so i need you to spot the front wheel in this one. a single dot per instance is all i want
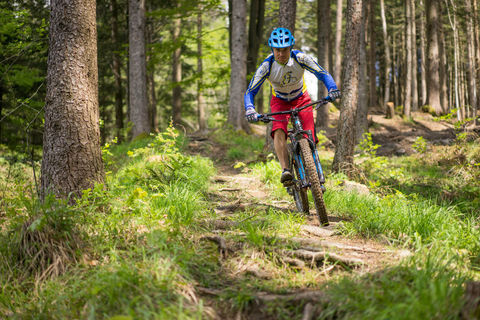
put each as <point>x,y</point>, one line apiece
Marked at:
<point>299,194</point>
<point>315,185</point>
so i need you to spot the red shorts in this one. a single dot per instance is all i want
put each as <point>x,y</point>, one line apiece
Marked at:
<point>306,115</point>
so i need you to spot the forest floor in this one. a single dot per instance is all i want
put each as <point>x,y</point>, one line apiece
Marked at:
<point>237,195</point>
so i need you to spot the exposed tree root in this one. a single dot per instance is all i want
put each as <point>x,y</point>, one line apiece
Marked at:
<point>317,231</point>
<point>221,224</point>
<point>220,241</point>
<point>297,263</point>
<point>308,311</point>
<point>313,243</point>
<point>305,296</point>
<point>315,257</point>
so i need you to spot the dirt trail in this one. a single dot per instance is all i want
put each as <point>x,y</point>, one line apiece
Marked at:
<point>235,194</point>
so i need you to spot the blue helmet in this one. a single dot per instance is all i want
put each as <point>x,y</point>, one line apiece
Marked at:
<point>281,38</point>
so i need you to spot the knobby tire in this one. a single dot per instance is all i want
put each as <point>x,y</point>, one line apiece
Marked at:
<point>300,195</point>
<point>312,177</point>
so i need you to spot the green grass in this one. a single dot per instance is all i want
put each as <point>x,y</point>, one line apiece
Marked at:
<point>240,146</point>
<point>130,261</point>
<point>424,287</point>
<point>140,256</point>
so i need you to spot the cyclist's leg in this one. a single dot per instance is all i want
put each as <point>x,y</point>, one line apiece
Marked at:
<point>280,144</point>
<point>279,135</point>
<point>306,116</point>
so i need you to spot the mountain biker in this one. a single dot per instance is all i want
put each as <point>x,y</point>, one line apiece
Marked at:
<point>284,69</point>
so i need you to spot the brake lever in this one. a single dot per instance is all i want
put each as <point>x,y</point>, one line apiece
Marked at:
<point>325,101</point>
<point>266,119</point>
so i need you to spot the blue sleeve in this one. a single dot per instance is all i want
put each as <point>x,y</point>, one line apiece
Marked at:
<point>258,79</point>
<point>307,62</point>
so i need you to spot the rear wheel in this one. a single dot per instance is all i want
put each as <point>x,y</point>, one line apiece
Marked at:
<point>315,185</point>
<point>299,194</point>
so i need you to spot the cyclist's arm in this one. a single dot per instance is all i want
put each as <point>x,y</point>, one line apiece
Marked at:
<point>311,65</point>
<point>258,79</point>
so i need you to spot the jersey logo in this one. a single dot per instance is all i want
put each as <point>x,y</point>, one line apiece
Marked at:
<point>288,78</point>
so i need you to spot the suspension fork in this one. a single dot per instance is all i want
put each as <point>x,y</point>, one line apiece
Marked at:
<point>298,159</point>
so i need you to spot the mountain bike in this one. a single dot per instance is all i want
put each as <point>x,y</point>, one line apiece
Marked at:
<point>304,163</point>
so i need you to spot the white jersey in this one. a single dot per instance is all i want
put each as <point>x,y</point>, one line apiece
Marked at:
<point>287,80</point>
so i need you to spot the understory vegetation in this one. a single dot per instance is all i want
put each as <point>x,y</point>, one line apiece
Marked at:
<point>142,245</point>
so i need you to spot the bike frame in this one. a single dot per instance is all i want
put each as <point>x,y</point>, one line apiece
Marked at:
<point>297,133</point>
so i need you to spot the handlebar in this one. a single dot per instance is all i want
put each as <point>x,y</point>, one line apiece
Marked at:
<point>267,117</point>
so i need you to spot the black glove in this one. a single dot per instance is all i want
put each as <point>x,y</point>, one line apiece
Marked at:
<point>333,95</point>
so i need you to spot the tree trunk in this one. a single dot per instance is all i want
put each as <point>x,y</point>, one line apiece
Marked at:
<point>386,43</point>
<point>323,49</point>
<point>72,160</point>
<point>443,62</point>
<point>423,65</point>
<point>433,62</point>
<point>177,73</point>
<point>407,99</point>
<point>372,72</point>
<point>202,121</point>
<point>1,110</point>
<point>259,98</point>
<point>343,159</point>
<point>453,24</point>
<point>471,63</point>
<point>238,78</point>
<point>287,14</point>
<point>137,68</point>
<point>116,62</point>
<point>152,101</point>
<point>152,98</point>
<point>414,57</point>
<point>362,108</point>
<point>477,54</point>
<point>230,5</point>
<point>338,43</point>
<point>255,34</point>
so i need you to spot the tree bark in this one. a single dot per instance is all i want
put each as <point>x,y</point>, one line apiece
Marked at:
<point>423,65</point>
<point>477,54</point>
<point>72,159</point>
<point>177,73</point>
<point>338,43</point>
<point>1,109</point>
<point>202,121</point>
<point>443,62</point>
<point>471,63</point>
<point>453,24</point>
<point>152,97</point>
<point>407,99</point>
<point>433,62</point>
<point>137,68</point>
<point>388,63</point>
<point>287,14</point>
<point>372,72</point>
<point>255,34</point>
<point>238,66</point>
<point>323,49</point>
<point>343,159</point>
<point>116,64</point>
<point>413,45</point>
<point>362,108</point>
